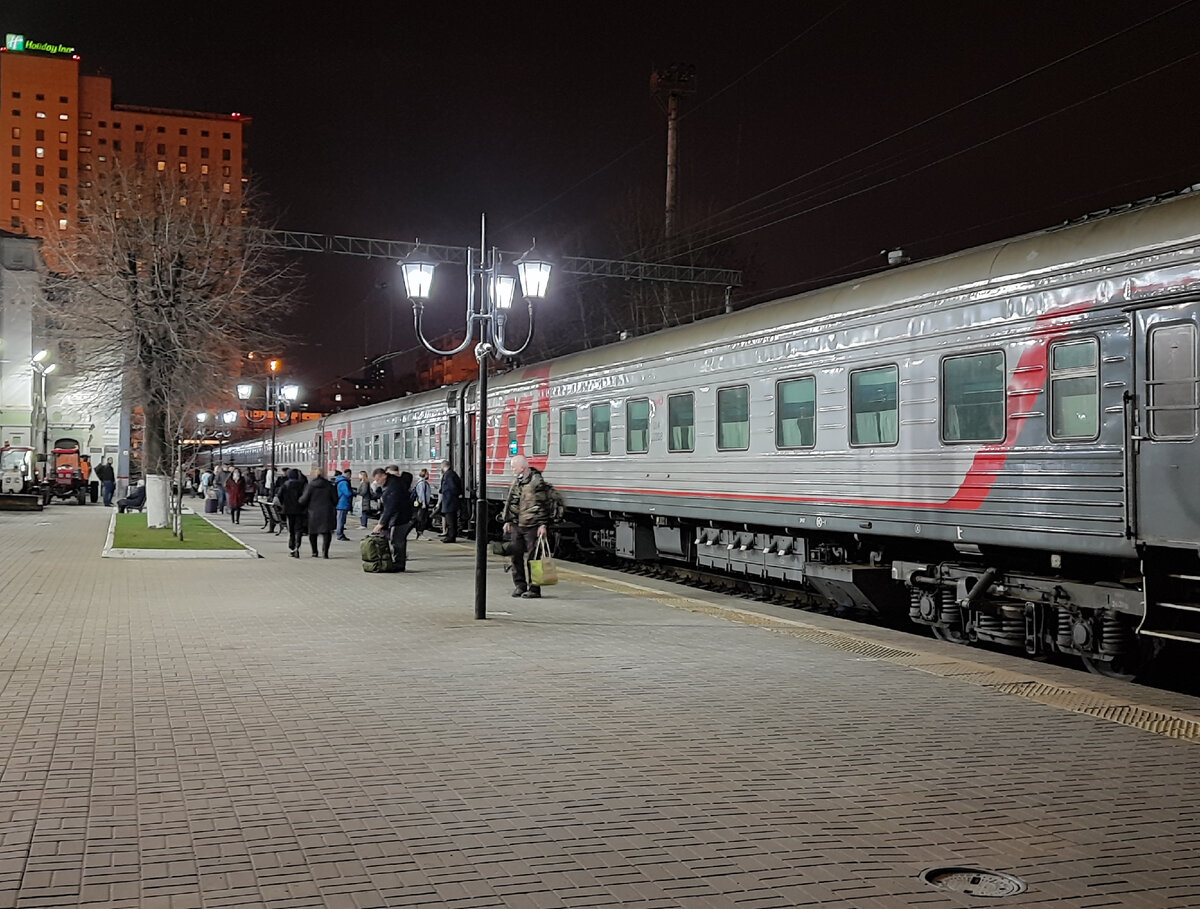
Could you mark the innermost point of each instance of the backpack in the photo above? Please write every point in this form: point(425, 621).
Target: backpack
point(376, 554)
point(555, 502)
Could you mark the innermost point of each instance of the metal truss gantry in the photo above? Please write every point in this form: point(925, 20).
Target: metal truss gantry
point(303, 241)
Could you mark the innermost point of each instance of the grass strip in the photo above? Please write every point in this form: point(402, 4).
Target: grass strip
point(131, 532)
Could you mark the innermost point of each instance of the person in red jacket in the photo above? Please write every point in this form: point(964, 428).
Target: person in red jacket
point(235, 494)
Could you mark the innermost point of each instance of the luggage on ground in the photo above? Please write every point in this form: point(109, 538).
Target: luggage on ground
point(210, 506)
point(377, 554)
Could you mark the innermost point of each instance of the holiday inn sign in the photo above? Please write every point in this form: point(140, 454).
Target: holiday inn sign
point(20, 44)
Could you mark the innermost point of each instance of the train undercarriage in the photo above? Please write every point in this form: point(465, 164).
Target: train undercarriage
point(982, 599)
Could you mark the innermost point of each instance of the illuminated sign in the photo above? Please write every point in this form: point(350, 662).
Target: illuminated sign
point(20, 44)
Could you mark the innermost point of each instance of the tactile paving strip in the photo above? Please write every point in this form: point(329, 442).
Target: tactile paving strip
point(1169, 724)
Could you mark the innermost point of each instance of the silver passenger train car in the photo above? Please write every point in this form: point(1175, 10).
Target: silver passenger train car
point(1003, 441)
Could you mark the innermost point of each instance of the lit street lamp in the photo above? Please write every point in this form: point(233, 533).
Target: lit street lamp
point(206, 430)
point(496, 291)
point(43, 369)
point(278, 399)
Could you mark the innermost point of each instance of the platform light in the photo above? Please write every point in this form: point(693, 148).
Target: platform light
point(244, 390)
point(490, 310)
point(534, 273)
point(503, 288)
point(40, 355)
point(202, 417)
point(229, 417)
point(418, 277)
point(290, 392)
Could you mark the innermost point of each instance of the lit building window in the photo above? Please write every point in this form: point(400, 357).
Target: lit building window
point(183, 167)
point(41, 115)
point(162, 165)
point(39, 205)
point(204, 168)
point(16, 132)
point(64, 117)
point(103, 157)
point(62, 137)
point(16, 204)
point(62, 223)
point(183, 200)
point(226, 187)
point(39, 152)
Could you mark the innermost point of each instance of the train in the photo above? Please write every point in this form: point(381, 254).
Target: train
point(1001, 442)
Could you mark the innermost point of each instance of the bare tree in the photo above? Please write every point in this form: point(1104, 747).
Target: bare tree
point(165, 284)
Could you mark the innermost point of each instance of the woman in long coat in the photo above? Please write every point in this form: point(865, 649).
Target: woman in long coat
point(235, 495)
point(320, 500)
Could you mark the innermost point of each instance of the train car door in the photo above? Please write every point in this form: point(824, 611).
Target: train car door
point(1166, 451)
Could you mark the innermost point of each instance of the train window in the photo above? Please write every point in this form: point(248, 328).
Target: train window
point(376, 449)
point(1074, 390)
point(795, 413)
point(435, 441)
point(1172, 382)
point(973, 398)
point(874, 406)
point(387, 448)
point(637, 426)
point(733, 418)
point(513, 447)
point(568, 441)
point(422, 445)
point(601, 428)
point(681, 422)
point(541, 432)
point(410, 449)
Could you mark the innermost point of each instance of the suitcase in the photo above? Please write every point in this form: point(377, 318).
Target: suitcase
point(210, 506)
point(376, 554)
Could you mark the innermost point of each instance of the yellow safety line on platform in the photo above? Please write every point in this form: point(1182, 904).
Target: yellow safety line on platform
point(1156, 720)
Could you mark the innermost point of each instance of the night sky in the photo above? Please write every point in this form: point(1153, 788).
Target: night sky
point(854, 125)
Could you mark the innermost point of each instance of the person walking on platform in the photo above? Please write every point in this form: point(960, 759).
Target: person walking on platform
point(235, 495)
point(319, 500)
point(527, 510)
point(345, 501)
point(396, 518)
point(108, 480)
point(421, 494)
point(449, 493)
point(293, 511)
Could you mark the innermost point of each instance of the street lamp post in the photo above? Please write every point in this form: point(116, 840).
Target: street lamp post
point(43, 369)
point(278, 398)
point(490, 313)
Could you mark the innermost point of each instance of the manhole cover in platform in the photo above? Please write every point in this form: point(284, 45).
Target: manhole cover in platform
point(974, 881)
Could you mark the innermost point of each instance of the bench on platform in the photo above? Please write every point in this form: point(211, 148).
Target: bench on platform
point(273, 520)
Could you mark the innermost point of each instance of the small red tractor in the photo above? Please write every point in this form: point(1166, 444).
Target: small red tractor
point(65, 479)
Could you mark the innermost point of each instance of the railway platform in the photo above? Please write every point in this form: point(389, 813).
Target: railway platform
point(298, 733)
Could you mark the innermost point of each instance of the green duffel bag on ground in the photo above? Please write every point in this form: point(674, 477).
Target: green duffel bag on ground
point(377, 554)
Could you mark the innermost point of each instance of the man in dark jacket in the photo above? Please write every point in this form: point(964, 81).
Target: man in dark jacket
point(449, 494)
point(396, 518)
point(108, 480)
point(290, 490)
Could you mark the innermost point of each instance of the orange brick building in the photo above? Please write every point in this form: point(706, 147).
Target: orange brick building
point(57, 126)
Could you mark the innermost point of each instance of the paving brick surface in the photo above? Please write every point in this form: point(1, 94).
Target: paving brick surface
point(297, 733)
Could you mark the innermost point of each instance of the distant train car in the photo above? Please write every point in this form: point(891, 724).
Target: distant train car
point(1002, 441)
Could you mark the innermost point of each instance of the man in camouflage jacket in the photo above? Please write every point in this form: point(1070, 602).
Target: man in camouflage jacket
point(526, 512)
